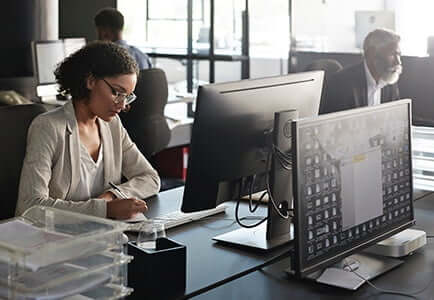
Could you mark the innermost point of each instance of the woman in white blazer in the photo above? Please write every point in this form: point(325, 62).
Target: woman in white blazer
point(75, 151)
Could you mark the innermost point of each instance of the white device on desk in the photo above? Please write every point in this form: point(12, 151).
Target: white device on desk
point(177, 218)
point(400, 244)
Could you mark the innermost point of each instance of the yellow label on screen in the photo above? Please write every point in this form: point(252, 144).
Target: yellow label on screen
point(359, 158)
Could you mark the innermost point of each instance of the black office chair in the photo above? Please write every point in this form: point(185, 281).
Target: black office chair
point(145, 121)
point(14, 123)
point(329, 66)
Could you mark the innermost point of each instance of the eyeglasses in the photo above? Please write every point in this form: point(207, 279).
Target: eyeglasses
point(121, 97)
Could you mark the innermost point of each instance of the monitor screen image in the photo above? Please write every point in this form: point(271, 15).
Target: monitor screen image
point(352, 182)
point(73, 44)
point(47, 54)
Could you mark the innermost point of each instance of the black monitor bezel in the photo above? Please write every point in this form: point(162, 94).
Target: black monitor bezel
point(301, 270)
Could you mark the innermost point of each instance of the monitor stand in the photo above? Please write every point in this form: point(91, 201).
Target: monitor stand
point(277, 230)
point(343, 274)
point(255, 238)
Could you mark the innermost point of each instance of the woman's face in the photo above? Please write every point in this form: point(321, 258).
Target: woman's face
point(107, 95)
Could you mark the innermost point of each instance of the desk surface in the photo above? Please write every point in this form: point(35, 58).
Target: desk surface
point(272, 283)
point(209, 263)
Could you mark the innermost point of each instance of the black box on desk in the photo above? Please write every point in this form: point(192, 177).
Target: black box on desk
point(157, 274)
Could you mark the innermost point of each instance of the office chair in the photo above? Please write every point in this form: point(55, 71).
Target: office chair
point(145, 121)
point(329, 66)
point(14, 123)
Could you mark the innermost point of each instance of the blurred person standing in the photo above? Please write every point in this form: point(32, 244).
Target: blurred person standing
point(109, 23)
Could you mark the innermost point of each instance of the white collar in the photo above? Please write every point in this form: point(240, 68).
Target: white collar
point(372, 84)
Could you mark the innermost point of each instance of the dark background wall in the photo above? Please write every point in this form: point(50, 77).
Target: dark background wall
point(76, 17)
point(17, 27)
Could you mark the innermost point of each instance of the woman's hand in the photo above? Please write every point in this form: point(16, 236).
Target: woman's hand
point(125, 208)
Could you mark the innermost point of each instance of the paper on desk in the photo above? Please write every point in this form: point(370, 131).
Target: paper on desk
point(30, 281)
point(20, 234)
point(24, 236)
point(139, 217)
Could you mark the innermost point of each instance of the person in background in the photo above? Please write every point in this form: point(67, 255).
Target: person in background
point(109, 24)
point(78, 153)
point(371, 82)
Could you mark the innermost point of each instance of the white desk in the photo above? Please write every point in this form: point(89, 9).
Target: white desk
point(179, 124)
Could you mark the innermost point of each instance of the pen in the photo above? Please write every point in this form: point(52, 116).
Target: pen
point(114, 186)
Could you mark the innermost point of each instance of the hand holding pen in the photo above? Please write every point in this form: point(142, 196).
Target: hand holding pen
point(124, 208)
point(115, 187)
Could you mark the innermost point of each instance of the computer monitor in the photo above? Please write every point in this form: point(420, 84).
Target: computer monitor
point(73, 44)
point(352, 178)
point(46, 56)
point(228, 143)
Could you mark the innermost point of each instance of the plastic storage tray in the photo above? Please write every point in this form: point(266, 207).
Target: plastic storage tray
point(49, 253)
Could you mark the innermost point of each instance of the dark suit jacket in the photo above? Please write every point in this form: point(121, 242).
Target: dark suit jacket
point(348, 89)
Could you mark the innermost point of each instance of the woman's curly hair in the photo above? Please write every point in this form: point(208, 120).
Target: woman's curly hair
point(99, 59)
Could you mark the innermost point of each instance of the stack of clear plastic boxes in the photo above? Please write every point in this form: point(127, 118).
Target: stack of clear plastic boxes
point(53, 254)
point(423, 158)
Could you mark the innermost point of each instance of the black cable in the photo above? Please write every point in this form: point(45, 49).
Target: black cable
point(252, 183)
point(285, 161)
point(286, 167)
point(237, 218)
point(386, 291)
point(281, 157)
point(239, 221)
point(270, 196)
point(287, 156)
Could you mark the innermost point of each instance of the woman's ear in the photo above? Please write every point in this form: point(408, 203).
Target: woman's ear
point(90, 82)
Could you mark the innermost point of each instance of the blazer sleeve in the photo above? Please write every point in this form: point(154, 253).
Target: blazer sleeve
point(143, 180)
point(36, 173)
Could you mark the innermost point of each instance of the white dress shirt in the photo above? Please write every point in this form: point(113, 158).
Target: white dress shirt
point(373, 88)
point(91, 183)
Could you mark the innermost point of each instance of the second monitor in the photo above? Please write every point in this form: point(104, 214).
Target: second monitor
point(229, 136)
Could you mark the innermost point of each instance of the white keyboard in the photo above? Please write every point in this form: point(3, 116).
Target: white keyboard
point(177, 218)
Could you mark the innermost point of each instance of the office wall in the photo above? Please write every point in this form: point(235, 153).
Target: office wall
point(328, 25)
point(76, 17)
point(48, 12)
point(18, 26)
point(23, 21)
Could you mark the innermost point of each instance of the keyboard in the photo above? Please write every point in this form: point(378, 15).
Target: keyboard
point(177, 218)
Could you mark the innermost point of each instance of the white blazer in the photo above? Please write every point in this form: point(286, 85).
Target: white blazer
point(51, 168)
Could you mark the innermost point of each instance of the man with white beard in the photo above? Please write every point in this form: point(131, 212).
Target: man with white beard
point(371, 82)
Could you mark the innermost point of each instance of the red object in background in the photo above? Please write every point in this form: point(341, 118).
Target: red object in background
point(172, 163)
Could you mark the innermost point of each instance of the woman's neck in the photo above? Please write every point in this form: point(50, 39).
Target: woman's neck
point(83, 115)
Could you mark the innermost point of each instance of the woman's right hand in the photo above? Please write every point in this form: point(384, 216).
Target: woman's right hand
point(122, 209)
